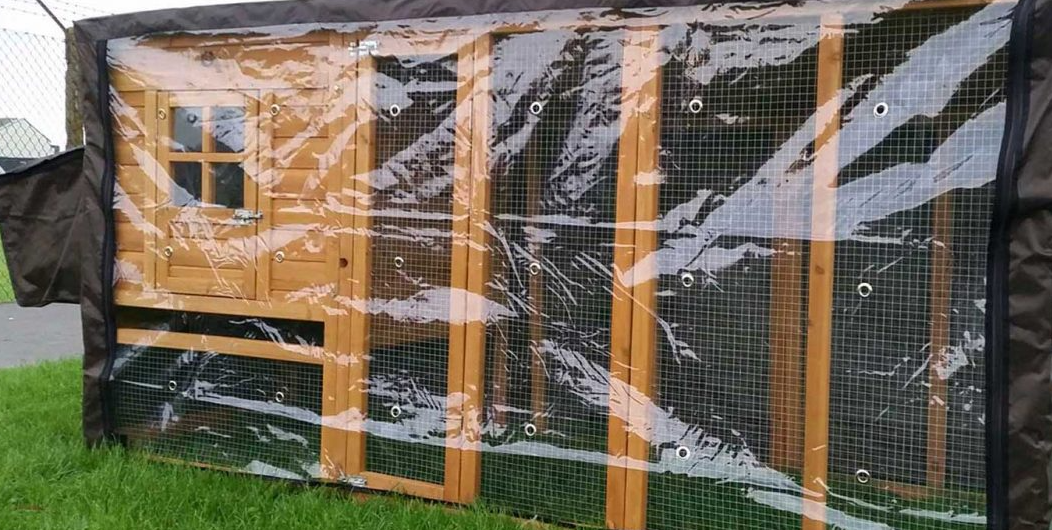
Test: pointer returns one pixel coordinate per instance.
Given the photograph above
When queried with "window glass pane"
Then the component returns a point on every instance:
(186, 129)
(228, 129)
(230, 185)
(186, 184)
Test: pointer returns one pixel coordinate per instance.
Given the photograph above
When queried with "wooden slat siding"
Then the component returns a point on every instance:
(292, 184)
(257, 349)
(941, 289)
(265, 180)
(365, 156)
(129, 269)
(823, 246)
(478, 274)
(645, 276)
(132, 179)
(634, 57)
(295, 213)
(161, 183)
(297, 275)
(130, 237)
(458, 279)
(220, 306)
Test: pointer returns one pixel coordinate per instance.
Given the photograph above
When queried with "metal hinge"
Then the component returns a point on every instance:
(354, 481)
(247, 217)
(364, 48)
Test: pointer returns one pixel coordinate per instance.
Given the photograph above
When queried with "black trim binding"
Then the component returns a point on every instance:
(997, 346)
(109, 250)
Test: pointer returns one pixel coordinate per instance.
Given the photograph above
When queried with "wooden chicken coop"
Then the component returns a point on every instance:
(703, 268)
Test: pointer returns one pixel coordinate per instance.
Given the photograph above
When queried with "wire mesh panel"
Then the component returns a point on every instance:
(918, 152)
(555, 130)
(735, 131)
(411, 216)
(251, 415)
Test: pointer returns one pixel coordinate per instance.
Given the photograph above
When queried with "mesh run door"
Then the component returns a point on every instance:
(552, 130)
(408, 259)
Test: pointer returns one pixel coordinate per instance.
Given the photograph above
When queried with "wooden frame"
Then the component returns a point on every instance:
(348, 257)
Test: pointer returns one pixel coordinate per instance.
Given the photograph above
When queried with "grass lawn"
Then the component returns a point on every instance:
(49, 480)
(6, 293)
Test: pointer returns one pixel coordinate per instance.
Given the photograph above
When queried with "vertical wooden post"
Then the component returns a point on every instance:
(339, 243)
(634, 56)
(461, 229)
(941, 287)
(361, 274)
(823, 246)
(478, 274)
(151, 182)
(647, 89)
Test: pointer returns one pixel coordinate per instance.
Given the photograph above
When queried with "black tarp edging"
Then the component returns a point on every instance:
(1019, 306)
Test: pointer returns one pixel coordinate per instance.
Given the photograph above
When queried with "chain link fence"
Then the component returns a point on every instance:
(34, 121)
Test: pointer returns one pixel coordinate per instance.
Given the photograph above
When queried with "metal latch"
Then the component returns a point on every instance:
(365, 47)
(354, 481)
(246, 217)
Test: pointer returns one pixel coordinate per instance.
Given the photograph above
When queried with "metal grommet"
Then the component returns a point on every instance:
(536, 108)
(173, 386)
(682, 452)
(881, 109)
(399, 262)
(535, 268)
(862, 476)
(275, 109)
(865, 289)
(687, 279)
(208, 57)
(162, 114)
(530, 430)
(168, 252)
(394, 111)
(695, 106)
(279, 256)
(279, 397)
(396, 412)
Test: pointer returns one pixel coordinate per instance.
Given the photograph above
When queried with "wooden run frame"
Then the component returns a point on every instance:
(799, 412)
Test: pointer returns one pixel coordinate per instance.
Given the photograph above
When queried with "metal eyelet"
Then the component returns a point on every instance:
(208, 58)
(168, 252)
(535, 268)
(536, 108)
(162, 114)
(396, 412)
(683, 452)
(862, 476)
(279, 256)
(695, 106)
(275, 109)
(399, 262)
(530, 430)
(881, 109)
(173, 386)
(279, 397)
(687, 279)
(394, 111)
(865, 290)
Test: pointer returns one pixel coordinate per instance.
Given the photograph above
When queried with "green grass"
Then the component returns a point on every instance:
(49, 480)
(7, 294)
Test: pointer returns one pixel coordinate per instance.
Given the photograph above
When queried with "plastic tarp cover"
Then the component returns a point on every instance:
(708, 267)
(39, 208)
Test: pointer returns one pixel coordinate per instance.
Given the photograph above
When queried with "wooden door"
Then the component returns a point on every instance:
(411, 192)
(207, 213)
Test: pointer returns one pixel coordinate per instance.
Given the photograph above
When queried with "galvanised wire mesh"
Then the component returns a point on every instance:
(33, 88)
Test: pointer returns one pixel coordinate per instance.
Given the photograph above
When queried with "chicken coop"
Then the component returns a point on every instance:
(731, 265)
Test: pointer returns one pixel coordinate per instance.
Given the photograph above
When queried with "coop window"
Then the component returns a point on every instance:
(206, 143)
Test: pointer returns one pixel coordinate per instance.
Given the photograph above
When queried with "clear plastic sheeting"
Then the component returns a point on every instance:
(712, 267)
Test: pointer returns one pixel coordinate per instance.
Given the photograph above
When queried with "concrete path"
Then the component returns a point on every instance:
(29, 336)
